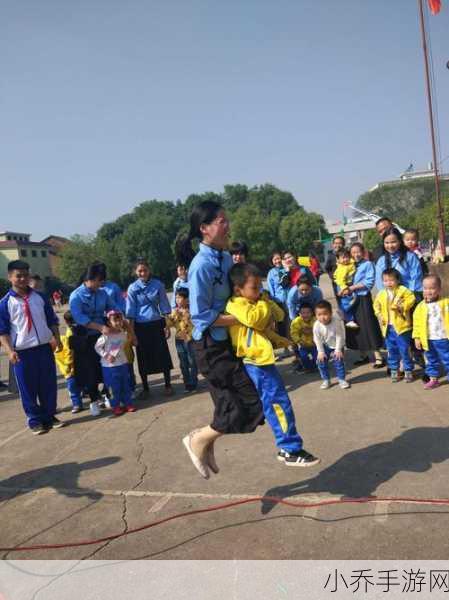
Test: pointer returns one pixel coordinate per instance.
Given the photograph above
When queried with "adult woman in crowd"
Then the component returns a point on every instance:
(278, 291)
(368, 336)
(294, 271)
(395, 255)
(88, 305)
(237, 407)
(315, 267)
(146, 307)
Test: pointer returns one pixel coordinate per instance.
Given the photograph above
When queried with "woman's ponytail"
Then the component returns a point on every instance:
(205, 212)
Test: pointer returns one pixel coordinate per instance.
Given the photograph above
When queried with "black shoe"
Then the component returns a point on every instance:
(379, 364)
(55, 424)
(38, 429)
(361, 361)
(190, 388)
(298, 459)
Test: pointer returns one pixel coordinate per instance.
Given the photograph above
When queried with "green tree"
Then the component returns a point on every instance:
(75, 257)
(299, 230)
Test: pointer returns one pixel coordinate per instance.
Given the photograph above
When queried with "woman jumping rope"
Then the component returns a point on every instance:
(237, 407)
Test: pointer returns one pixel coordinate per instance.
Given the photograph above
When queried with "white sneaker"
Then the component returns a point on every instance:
(351, 324)
(344, 384)
(325, 385)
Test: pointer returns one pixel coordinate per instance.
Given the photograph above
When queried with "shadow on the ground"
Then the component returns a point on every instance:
(62, 478)
(359, 473)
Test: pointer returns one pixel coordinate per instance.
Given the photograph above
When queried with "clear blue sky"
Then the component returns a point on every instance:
(105, 104)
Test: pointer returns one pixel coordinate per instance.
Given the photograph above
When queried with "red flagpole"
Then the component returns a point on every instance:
(440, 216)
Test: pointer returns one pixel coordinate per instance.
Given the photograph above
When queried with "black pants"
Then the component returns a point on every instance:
(238, 408)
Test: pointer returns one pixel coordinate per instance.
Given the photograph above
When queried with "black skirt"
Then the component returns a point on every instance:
(237, 406)
(368, 337)
(87, 365)
(153, 355)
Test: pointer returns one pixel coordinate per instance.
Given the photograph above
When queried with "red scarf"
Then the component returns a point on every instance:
(27, 311)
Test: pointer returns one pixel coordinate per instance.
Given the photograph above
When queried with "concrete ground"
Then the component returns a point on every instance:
(101, 476)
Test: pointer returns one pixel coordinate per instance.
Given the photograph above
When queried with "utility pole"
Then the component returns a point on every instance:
(440, 215)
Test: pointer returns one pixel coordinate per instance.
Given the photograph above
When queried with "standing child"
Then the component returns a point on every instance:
(179, 282)
(393, 307)
(29, 333)
(181, 321)
(431, 329)
(251, 341)
(411, 242)
(111, 348)
(343, 278)
(301, 333)
(329, 337)
(66, 363)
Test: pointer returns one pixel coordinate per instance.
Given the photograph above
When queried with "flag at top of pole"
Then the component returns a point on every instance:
(435, 6)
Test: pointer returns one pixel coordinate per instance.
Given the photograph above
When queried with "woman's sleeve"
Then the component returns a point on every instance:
(164, 304)
(131, 304)
(415, 271)
(379, 270)
(291, 304)
(201, 298)
(270, 283)
(76, 308)
(369, 276)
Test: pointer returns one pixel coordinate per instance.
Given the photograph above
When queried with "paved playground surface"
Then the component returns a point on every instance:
(101, 476)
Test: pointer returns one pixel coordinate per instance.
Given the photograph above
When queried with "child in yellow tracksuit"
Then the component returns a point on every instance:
(65, 361)
(301, 333)
(252, 340)
(393, 307)
(343, 277)
(431, 329)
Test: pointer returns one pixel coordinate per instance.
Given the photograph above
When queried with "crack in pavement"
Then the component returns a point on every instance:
(124, 517)
(140, 449)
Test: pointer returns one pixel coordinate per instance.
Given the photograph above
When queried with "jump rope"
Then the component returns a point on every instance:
(217, 507)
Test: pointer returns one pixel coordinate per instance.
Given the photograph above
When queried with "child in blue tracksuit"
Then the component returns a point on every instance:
(29, 332)
(114, 362)
(252, 340)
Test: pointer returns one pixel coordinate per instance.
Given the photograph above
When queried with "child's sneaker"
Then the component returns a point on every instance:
(77, 409)
(117, 411)
(394, 376)
(344, 384)
(130, 408)
(298, 459)
(432, 384)
(351, 324)
(325, 385)
(38, 429)
(56, 424)
(408, 377)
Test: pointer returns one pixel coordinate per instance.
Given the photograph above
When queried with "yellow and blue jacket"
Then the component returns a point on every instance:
(64, 357)
(396, 312)
(420, 321)
(253, 338)
(302, 332)
(344, 274)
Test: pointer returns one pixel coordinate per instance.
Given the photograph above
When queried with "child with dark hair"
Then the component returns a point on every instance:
(65, 360)
(179, 318)
(301, 333)
(111, 348)
(29, 333)
(343, 278)
(179, 282)
(393, 307)
(239, 252)
(411, 242)
(329, 337)
(252, 339)
(303, 293)
(431, 330)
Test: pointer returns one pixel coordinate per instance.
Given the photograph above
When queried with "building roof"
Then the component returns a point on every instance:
(55, 237)
(19, 244)
(8, 232)
(350, 226)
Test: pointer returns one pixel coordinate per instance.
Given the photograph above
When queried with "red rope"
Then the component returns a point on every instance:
(273, 500)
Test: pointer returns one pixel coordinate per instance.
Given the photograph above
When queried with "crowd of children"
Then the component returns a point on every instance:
(413, 318)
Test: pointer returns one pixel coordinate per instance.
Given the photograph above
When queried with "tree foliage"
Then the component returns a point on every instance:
(266, 217)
